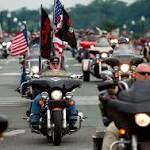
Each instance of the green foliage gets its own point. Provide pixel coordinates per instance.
(106, 14)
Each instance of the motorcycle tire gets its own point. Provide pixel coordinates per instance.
(86, 76)
(57, 129)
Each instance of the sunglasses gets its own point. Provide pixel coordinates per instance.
(55, 63)
(144, 73)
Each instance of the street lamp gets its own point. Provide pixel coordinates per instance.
(143, 24)
(9, 21)
(124, 26)
(132, 27)
(133, 22)
(15, 20)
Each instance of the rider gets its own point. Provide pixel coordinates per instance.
(54, 65)
(23, 77)
(142, 72)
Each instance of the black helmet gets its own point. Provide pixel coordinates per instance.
(123, 40)
(54, 59)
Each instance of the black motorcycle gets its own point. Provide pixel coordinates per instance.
(55, 101)
(3, 124)
(131, 115)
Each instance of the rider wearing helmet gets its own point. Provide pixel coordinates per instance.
(123, 40)
(54, 66)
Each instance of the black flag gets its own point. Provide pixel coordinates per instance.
(66, 33)
(45, 35)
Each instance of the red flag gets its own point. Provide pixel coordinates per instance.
(45, 35)
(19, 44)
(66, 33)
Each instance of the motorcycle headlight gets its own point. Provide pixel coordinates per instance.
(104, 55)
(4, 44)
(124, 68)
(142, 119)
(92, 46)
(56, 95)
(35, 69)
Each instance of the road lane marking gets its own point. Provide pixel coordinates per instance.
(86, 100)
(10, 74)
(69, 58)
(77, 65)
(14, 132)
(19, 101)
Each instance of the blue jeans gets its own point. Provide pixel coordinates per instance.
(23, 79)
(35, 111)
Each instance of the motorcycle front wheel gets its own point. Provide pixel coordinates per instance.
(57, 129)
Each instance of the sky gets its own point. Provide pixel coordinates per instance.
(35, 4)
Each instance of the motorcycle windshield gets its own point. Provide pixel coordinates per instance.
(46, 83)
(134, 100)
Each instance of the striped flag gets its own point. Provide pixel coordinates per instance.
(58, 18)
(58, 15)
(19, 44)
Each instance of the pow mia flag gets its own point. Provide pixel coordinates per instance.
(66, 33)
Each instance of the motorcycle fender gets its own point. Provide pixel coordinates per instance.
(85, 64)
(56, 109)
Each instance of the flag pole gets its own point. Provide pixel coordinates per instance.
(40, 39)
(53, 26)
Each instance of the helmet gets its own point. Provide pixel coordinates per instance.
(123, 40)
(54, 59)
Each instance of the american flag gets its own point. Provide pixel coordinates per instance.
(19, 45)
(58, 18)
(58, 15)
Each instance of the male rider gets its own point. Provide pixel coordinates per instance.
(142, 73)
(54, 67)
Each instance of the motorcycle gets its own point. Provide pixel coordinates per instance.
(3, 124)
(130, 114)
(123, 62)
(93, 62)
(55, 101)
(3, 50)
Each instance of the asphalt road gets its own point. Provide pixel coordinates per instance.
(19, 136)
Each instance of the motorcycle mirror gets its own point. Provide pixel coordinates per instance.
(44, 95)
(105, 85)
(69, 95)
(97, 56)
(76, 76)
(3, 123)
